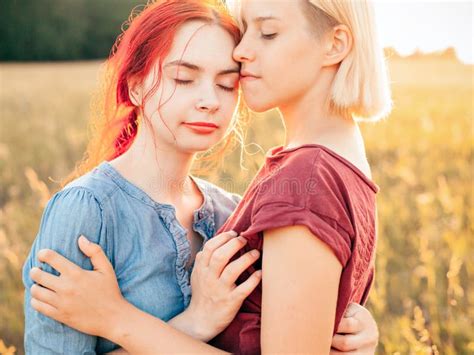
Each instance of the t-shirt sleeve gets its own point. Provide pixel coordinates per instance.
(315, 199)
(281, 214)
(69, 214)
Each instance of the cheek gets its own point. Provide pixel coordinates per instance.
(286, 58)
(171, 105)
(293, 72)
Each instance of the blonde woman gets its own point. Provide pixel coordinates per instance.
(310, 211)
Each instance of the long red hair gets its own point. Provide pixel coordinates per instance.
(148, 37)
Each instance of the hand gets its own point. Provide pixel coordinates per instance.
(357, 332)
(79, 298)
(215, 297)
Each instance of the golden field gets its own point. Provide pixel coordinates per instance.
(421, 156)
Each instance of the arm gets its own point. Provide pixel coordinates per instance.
(299, 292)
(66, 216)
(140, 333)
(91, 300)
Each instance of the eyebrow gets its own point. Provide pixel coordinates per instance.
(260, 19)
(199, 69)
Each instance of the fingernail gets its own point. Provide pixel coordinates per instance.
(351, 310)
(242, 239)
(84, 239)
(349, 314)
(255, 252)
(234, 233)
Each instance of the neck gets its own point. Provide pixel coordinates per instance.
(308, 118)
(161, 170)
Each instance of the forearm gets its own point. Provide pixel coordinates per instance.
(185, 323)
(140, 333)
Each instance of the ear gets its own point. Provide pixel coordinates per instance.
(135, 92)
(338, 45)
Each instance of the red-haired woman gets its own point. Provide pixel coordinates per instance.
(169, 91)
(175, 101)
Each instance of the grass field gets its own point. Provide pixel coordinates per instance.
(421, 156)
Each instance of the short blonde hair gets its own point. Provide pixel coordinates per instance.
(361, 87)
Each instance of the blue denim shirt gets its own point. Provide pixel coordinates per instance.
(144, 241)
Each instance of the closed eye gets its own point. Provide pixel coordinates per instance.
(226, 88)
(183, 82)
(269, 36)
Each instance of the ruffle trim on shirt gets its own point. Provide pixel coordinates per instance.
(204, 219)
(183, 251)
(203, 224)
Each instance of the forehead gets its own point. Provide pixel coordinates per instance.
(202, 44)
(283, 10)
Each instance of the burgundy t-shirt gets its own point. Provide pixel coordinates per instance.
(312, 186)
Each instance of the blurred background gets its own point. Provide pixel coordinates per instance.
(421, 156)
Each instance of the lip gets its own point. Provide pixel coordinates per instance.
(202, 124)
(248, 76)
(202, 127)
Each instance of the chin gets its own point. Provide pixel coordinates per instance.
(192, 146)
(259, 106)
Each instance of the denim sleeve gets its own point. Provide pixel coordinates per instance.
(69, 213)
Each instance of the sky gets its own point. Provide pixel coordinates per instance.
(429, 26)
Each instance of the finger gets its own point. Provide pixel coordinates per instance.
(347, 342)
(246, 288)
(44, 308)
(221, 256)
(354, 309)
(44, 278)
(363, 324)
(349, 325)
(56, 260)
(212, 244)
(233, 270)
(99, 260)
(44, 295)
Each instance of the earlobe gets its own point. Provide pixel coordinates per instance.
(339, 45)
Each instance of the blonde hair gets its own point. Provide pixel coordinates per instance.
(361, 86)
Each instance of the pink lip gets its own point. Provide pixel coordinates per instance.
(202, 124)
(248, 78)
(201, 127)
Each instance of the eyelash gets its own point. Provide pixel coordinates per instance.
(269, 36)
(183, 82)
(188, 82)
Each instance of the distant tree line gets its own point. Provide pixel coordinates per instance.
(40, 30)
(47, 30)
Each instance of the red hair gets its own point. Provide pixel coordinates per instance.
(148, 38)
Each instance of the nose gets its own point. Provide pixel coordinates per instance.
(208, 101)
(242, 53)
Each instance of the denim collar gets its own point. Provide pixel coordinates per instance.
(203, 217)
